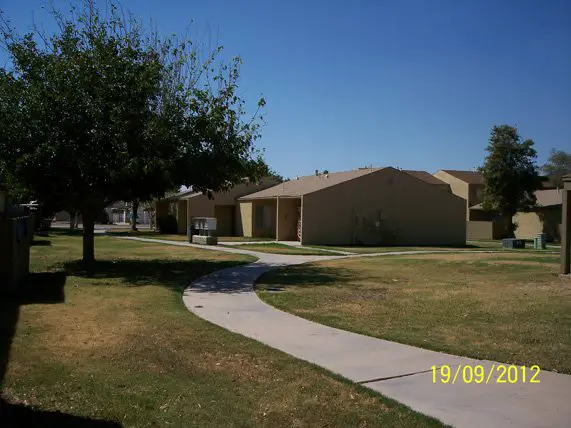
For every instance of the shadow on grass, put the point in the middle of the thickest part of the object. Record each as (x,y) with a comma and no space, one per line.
(175,274)
(65,232)
(446,247)
(17,415)
(138,233)
(306,275)
(41,243)
(38,288)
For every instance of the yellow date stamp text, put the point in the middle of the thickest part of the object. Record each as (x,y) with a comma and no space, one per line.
(497,373)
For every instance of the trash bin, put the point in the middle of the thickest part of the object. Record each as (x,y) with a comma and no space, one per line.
(513,243)
(191,230)
(540,241)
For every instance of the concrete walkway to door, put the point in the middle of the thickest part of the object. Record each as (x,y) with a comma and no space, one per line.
(402,372)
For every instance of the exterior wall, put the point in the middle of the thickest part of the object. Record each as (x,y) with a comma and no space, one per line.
(200,206)
(287,215)
(244,219)
(475,194)
(181,218)
(479,215)
(265,232)
(383,208)
(61,216)
(224,219)
(458,187)
(545,220)
(484,230)
(161,208)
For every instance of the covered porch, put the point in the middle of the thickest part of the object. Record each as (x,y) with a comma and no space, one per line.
(278,218)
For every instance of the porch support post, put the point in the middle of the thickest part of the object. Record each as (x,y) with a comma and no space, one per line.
(301,221)
(566,226)
(277,218)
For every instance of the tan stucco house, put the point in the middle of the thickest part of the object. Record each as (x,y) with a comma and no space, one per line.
(186,205)
(365,206)
(466,184)
(545,218)
(469,186)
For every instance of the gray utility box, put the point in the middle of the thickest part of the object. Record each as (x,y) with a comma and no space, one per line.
(204,231)
(513,243)
(540,241)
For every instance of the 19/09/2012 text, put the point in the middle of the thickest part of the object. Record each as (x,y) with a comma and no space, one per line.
(505,373)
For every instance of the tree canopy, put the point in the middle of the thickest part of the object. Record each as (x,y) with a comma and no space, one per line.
(557,166)
(105,110)
(510,175)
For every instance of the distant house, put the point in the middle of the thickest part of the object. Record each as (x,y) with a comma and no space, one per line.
(121,212)
(184,206)
(373,206)
(118,212)
(429,178)
(469,186)
(545,218)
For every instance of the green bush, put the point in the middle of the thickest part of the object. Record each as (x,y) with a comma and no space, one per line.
(167,224)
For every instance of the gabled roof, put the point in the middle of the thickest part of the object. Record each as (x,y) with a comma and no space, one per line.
(470,177)
(425,176)
(549,198)
(309,184)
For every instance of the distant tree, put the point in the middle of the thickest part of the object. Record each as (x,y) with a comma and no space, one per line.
(510,175)
(104,111)
(558,165)
(266,171)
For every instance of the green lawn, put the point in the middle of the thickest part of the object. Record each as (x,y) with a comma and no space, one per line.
(180,237)
(470,245)
(119,345)
(509,307)
(277,248)
(148,234)
(243,239)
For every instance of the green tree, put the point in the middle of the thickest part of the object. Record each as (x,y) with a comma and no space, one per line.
(104,110)
(510,175)
(558,165)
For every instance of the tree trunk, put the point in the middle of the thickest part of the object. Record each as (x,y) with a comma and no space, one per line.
(134,215)
(509,225)
(72,220)
(88,237)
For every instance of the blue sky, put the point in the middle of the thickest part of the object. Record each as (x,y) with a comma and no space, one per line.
(408,83)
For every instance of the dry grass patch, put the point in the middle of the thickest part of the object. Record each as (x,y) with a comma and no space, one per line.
(119,345)
(510,307)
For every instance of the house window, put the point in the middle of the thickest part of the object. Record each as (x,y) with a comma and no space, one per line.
(263,217)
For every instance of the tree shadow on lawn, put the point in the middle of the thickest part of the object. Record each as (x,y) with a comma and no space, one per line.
(38,288)
(41,243)
(65,232)
(174,274)
(306,275)
(137,233)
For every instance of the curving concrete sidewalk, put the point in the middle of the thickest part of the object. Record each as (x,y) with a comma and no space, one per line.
(402,372)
